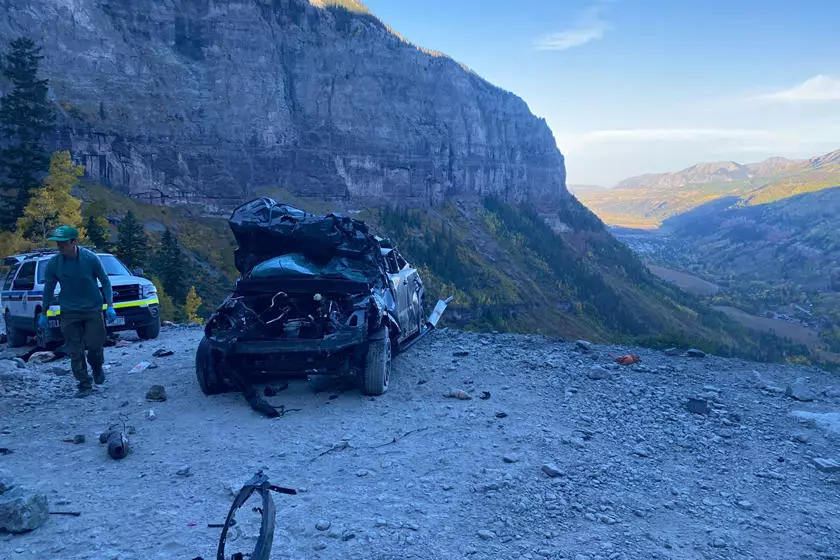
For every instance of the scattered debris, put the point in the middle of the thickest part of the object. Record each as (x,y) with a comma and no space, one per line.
(117,440)
(460,353)
(22,510)
(501,415)
(272,390)
(261,485)
(79,438)
(698,406)
(695,353)
(457,394)
(799,390)
(162,353)
(151,414)
(826,465)
(122,343)
(42,357)
(628,359)
(156,393)
(484,395)
(5,451)
(142,366)
(72,513)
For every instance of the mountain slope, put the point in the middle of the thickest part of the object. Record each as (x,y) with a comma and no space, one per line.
(647,200)
(207,102)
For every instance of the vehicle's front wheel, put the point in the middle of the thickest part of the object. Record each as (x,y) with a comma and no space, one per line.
(378,363)
(149,332)
(16,337)
(205,370)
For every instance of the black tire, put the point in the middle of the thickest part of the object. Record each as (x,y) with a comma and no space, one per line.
(149,332)
(205,371)
(16,337)
(378,364)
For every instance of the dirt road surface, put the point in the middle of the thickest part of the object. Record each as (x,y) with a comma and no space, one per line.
(568,455)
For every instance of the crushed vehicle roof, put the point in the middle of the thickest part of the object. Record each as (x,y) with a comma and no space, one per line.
(266,229)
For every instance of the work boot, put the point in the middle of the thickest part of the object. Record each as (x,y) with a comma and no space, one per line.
(83,392)
(98,376)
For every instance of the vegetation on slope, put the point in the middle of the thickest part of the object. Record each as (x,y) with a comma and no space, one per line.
(508,270)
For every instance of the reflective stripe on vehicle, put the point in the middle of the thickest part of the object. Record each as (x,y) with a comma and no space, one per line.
(56,310)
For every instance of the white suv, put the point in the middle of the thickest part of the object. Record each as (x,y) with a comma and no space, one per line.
(135,299)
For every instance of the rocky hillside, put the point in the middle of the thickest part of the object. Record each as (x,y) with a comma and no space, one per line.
(211,101)
(647,200)
(559,453)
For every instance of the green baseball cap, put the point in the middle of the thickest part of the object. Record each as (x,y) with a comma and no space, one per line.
(64,233)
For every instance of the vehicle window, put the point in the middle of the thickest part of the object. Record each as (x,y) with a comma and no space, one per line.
(26,278)
(392,263)
(9,277)
(42,271)
(401,262)
(113,266)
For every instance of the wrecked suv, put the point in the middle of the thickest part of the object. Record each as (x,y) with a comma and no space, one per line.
(317,295)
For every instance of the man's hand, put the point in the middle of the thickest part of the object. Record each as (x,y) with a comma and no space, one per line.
(42,321)
(110,314)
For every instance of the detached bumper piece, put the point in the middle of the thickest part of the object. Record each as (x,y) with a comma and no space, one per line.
(262,550)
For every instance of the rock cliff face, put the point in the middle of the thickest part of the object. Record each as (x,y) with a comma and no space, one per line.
(210,101)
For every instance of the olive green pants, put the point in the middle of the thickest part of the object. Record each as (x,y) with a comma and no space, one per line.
(84,330)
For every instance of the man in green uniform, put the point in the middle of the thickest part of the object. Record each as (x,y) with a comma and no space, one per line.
(82,325)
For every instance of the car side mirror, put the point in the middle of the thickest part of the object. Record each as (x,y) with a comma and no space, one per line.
(137,272)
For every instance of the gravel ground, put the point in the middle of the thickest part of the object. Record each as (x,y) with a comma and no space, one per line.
(561,459)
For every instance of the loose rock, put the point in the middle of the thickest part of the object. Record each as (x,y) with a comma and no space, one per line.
(584,345)
(486,535)
(184,471)
(597,372)
(695,353)
(799,390)
(672,352)
(457,394)
(826,465)
(323,525)
(698,406)
(552,470)
(22,510)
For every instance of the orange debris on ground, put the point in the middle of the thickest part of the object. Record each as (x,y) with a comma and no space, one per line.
(628,360)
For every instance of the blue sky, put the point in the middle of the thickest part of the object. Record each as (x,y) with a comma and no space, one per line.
(637,86)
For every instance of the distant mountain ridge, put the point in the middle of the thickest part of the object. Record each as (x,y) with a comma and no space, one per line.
(645,201)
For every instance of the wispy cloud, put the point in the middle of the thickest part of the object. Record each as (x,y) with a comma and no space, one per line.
(818,88)
(673,135)
(590,26)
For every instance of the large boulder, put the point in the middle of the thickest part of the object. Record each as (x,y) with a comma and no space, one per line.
(22,510)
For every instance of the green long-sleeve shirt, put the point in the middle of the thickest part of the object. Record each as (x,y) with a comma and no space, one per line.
(77,277)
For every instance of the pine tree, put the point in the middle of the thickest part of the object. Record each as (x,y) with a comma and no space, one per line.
(165,303)
(132,243)
(26,117)
(98,229)
(53,204)
(172,267)
(191,306)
